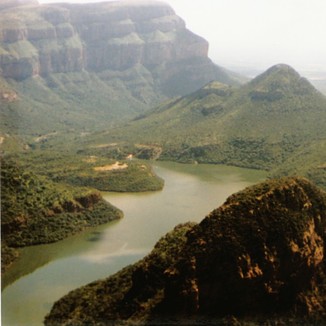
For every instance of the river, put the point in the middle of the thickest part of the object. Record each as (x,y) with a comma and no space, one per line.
(47,272)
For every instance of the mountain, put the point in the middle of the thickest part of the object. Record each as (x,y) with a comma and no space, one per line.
(258,260)
(86,66)
(275,119)
(35,210)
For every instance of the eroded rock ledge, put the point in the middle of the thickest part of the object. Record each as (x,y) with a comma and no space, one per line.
(115,36)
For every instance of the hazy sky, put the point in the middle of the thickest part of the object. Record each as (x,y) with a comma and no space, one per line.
(257,33)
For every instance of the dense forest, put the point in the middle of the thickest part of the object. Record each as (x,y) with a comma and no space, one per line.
(35,210)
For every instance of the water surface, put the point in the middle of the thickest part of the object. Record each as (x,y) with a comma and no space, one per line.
(46,273)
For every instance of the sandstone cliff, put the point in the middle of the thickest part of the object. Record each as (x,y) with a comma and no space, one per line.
(141,52)
(258,258)
(38,40)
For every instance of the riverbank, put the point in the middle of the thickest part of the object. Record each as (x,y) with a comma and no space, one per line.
(257,257)
(36,210)
(96,171)
(47,272)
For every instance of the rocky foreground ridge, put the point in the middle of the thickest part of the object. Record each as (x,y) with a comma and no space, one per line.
(257,259)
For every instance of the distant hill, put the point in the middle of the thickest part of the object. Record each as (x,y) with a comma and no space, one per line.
(259,259)
(276,121)
(82,67)
(98,172)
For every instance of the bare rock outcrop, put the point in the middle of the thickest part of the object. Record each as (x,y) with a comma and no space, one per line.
(39,40)
(91,66)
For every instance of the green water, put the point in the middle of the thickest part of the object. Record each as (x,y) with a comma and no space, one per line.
(46,273)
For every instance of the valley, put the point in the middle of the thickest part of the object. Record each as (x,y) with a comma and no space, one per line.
(60,62)
(203,273)
(275,123)
(47,272)
(152,183)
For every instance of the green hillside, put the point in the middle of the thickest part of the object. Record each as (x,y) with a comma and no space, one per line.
(35,210)
(99,172)
(264,124)
(67,102)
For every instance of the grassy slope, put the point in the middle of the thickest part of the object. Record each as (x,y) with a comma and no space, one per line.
(65,102)
(264,124)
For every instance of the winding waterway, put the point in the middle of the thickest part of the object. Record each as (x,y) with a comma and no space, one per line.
(45,273)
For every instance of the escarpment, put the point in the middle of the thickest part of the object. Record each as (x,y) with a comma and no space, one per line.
(260,256)
(91,66)
(37,40)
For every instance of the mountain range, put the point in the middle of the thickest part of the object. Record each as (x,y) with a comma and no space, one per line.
(85,67)
(133,69)
(275,122)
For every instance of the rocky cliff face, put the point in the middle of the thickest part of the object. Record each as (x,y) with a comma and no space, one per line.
(114,59)
(260,256)
(45,39)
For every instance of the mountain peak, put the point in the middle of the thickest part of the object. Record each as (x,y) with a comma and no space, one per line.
(279,80)
(282,69)
(278,71)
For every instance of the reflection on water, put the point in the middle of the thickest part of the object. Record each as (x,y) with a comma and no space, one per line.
(104,258)
(95,236)
(45,273)
(34,257)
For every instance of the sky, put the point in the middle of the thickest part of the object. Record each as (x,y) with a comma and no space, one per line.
(257,34)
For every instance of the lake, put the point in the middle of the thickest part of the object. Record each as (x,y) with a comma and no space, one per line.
(47,272)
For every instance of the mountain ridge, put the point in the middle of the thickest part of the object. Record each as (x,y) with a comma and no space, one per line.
(258,259)
(261,125)
(279,79)
(115,61)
